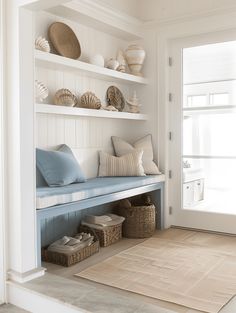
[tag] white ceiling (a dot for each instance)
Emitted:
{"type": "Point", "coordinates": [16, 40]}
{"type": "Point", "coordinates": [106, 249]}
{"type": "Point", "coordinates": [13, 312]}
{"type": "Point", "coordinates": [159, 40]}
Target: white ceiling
{"type": "Point", "coordinates": [149, 10]}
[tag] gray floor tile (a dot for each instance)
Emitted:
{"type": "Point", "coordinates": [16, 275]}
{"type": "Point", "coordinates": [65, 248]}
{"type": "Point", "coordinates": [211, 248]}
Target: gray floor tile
{"type": "Point", "coordinates": [8, 308]}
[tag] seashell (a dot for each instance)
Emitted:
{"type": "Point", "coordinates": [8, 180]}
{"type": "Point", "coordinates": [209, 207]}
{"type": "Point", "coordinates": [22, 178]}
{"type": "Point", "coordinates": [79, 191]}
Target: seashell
{"type": "Point", "coordinates": [115, 98]}
{"type": "Point", "coordinates": [121, 68]}
{"type": "Point", "coordinates": [98, 60]}
{"type": "Point", "coordinates": [41, 91]}
{"type": "Point", "coordinates": [112, 64]}
{"type": "Point", "coordinates": [133, 100]}
{"type": "Point", "coordinates": [133, 108]}
{"type": "Point", "coordinates": [90, 101]}
{"type": "Point", "coordinates": [65, 97]}
{"type": "Point", "coordinates": [122, 63]}
{"type": "Point", "coordinates": [110, 108]}
{"type": "Point", "coordinates": [133, 104]}
{"type": "Point", "coordinates": [42, 44]}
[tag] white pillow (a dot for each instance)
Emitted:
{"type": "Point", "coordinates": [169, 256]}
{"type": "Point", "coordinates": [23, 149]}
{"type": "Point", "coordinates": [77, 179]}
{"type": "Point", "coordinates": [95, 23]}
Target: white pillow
{"type": "Point", "coordinates": [122, 147]}
{"type": "Point", "coordinates": [127, 165]}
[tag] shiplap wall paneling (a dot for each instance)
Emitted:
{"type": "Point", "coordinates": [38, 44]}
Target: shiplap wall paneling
{"type": "Point", "coordinates": [67, 225]}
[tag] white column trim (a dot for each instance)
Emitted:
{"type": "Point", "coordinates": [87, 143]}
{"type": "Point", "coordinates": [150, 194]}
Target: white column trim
{"type": "Point", "coordinates": [2, 159]}
{"type": "Point", "coordinates": [27, 276]}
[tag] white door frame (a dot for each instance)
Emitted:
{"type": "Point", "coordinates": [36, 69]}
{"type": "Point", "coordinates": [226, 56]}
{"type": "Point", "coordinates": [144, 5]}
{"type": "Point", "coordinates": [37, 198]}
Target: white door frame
{"type": "Point", "coordinates": [2, 157]}
{"type": "Point", "coordinates": [190, 218]}
{"type": "Point", "coordinates": [166, 32]}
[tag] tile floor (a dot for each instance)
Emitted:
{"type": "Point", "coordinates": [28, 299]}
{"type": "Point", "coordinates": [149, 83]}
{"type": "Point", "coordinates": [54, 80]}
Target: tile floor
{"type": "Point", "coordinates": [8, 308]}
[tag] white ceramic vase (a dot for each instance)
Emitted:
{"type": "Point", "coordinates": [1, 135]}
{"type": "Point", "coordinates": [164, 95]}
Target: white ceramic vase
{"type": "Point", "coordinates": [135, 56]}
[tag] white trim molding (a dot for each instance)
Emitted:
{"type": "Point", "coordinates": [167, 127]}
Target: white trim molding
{"type": "Point", "coordinates": [27, 276]}
{"type": "Point", "coordinates": [21, 227]}
{"type": "Point", "coordinates": [2, 158]}
{"type": "Point", "coordinates": [32, 301]}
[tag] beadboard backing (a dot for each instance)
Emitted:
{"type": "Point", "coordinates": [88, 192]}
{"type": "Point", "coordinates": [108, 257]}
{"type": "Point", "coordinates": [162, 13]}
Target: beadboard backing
{"type": "Point", "coordinates": [86, 136]}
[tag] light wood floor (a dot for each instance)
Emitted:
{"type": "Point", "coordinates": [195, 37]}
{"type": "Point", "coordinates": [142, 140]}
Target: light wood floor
{"type": "Point", "coordinates": [211, 239]}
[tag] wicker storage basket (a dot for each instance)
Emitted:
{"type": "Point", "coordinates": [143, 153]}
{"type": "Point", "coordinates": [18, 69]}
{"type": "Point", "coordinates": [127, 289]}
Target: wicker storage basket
{"type": "Point", "coordinates": [139, 221]}
{"type": "Point", "coordinates": [109, 234]}
{"type": "Point", "coordinates": [74, 257]}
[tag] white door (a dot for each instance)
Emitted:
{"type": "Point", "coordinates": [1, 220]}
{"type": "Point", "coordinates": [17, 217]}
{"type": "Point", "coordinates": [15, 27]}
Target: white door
{"type": "Point", "coordinates": [202, 149]}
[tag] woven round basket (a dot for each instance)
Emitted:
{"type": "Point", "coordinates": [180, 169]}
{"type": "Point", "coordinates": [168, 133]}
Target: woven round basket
{"type": "Point", "coordinates": [64, 40]}
{"type": "Point", "coordinates": [139, 221]}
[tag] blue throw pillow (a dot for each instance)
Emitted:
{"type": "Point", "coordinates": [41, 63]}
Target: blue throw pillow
{"type": "Point", "coordinates": [59, 168]}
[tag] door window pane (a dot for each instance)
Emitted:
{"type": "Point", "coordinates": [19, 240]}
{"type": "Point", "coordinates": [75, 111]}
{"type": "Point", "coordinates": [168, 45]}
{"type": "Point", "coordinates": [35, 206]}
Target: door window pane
{"type": "Point", "coordinates": [209, 128]}
{"type": "Point", "coordinates": [219, 99]}
{"type": "Point", "coordinates": [196, 101]}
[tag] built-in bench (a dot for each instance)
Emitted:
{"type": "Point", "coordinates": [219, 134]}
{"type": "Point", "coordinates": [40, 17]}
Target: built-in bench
{"type": "Point", "coordinates": [55, 201]}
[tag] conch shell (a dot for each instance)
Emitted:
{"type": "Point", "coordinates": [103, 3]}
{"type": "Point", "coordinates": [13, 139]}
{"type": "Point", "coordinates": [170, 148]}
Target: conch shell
{"type": "Point", "coordinates": [122, 62]}
{"type": "Point", "coordinates": [112, 64]}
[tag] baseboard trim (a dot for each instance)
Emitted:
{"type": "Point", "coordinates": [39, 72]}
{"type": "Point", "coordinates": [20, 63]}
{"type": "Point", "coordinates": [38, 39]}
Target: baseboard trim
{"type": "Point", "coordinates": [35, 302]}
{"type": "Point", "coordinates": [27, 276]}
{"type": "Point", "coordinates": [203, 231]}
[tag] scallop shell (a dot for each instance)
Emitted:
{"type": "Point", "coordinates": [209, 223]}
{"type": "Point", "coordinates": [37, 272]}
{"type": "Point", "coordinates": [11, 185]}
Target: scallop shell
{"type": "Point", "coordinates": [42, 44]}
{"type": "Point", "coordinates": [41, 91]}
{"type": "Point", "coordinates": [90, 101]}
{"type": "Point", "coordinates": [65, 97]}
{"type": "Point", "coordinates": [115, 98]}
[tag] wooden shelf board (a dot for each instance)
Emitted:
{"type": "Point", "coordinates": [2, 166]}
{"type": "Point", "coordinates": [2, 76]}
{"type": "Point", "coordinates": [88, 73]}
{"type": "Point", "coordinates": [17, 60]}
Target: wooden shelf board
{"type": "Point", "coordinates": [72, 111]}
{"type": "Point", "coordinates": [54, 61]}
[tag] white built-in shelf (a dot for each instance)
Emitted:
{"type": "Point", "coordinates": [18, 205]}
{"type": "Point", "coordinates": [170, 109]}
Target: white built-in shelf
{"type": "Point", "coordinates": [54, 61]}
{"type": "Point", "coordinates": [101, 17]}
{"type": "Point", "coordinates": [73, 111]}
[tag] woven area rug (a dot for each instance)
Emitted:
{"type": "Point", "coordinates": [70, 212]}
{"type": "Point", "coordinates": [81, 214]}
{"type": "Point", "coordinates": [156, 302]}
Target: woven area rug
{"type": "Point", "coordinates": [196, 272]}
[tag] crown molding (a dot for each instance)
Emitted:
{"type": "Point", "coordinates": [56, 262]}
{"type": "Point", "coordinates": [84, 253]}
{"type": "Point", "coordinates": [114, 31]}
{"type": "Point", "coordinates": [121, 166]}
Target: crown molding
{"type": "Point", "coordinates": [158, 23]}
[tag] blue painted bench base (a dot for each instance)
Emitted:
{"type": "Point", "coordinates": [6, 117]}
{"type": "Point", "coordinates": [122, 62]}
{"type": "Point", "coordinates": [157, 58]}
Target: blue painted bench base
{"type": "Point", "coordinates": [102, 199]}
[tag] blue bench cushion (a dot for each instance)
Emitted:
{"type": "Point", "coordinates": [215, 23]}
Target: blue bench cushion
{"type": "Point", "coordinates": [52, 196]}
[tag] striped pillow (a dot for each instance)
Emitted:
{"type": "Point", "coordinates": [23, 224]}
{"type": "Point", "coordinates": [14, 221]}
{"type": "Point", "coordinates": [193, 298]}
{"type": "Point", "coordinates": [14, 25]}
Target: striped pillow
{"type": "Point", "coordinates": [126, 165]}
{"type": "Point", "coordinates": [122, 147]}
